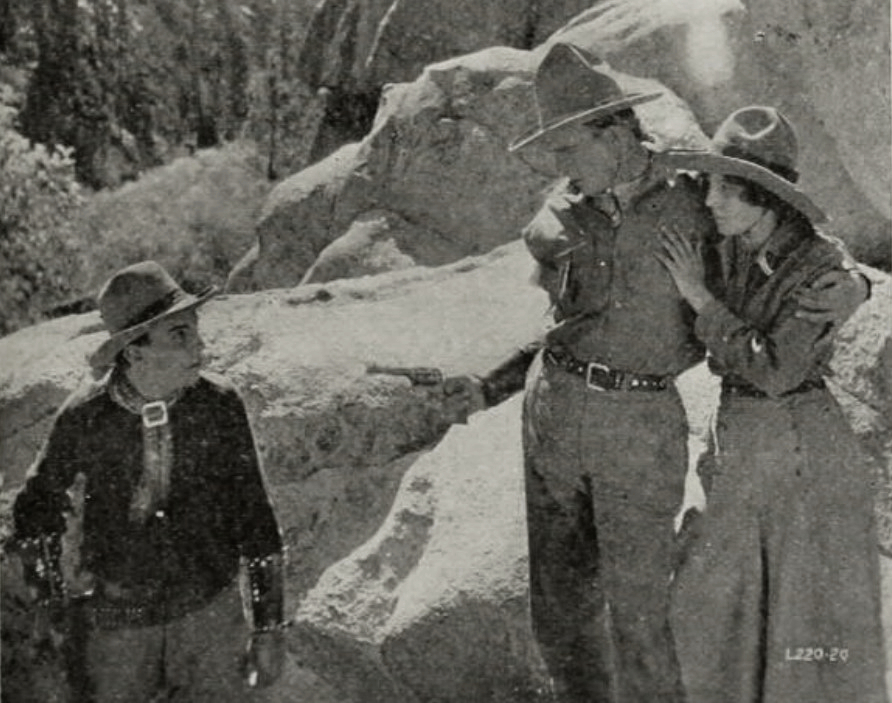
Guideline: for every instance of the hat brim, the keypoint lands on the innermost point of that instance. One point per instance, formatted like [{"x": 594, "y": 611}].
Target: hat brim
[
  {"x": 105, "y": 355},
  {"x": 586, "y": 115},
  {"x": 711, "y": 162}
]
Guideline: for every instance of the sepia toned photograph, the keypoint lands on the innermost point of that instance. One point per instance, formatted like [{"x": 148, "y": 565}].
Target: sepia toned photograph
[{"x": 438, "y": 351}]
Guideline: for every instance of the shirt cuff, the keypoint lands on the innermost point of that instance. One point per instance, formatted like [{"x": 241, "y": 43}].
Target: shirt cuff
[{"x": 715, "y": 323}]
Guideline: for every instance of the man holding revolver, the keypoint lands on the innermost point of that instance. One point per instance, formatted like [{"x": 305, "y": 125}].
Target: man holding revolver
[{"x": 604, "y": 430}]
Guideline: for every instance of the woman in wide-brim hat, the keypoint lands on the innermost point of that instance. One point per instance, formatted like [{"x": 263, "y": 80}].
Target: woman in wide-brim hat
[{"x": 778, "y": 599}]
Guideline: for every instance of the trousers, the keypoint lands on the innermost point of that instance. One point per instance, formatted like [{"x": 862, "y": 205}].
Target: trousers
[
  {"x": 604, "y": 478},
  {"x": 197, "y": 658},
  {"x": 778, "y": 600}
]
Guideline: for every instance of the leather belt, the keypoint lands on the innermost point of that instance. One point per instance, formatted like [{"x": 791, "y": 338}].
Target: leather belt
[
  {"x": 105, "y": 613},
  {"x": 107, "y": 616},
  {"x": 601, "y": 377},
  {"x": 745, "y": 390}
]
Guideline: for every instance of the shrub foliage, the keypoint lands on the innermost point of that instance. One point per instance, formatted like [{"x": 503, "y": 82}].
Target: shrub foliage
[{"x": 38, "y": 193}]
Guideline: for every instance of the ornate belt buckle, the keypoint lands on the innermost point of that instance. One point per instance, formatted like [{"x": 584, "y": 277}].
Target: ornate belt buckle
[
  {"x": 590, "y": 370},
  {"x": 154, "y": 414}
]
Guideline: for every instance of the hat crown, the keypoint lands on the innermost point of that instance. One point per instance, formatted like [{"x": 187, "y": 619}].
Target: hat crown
[
  {"x": 568, "y": 82},
  {"x": 136, "y": 294},
  {"x": 761, "y": 135}
]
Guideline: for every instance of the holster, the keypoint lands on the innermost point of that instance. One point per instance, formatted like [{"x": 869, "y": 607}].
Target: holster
[
  {"x": 42, "y": 566},
  {"x": 265, "y": 592}
]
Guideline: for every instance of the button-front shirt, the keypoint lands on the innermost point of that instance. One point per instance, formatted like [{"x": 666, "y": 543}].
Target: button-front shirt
[{"x": 614, "y": 302}]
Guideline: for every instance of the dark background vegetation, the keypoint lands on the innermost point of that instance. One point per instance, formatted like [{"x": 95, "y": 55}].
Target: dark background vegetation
[{"x": 93, "y": 93}]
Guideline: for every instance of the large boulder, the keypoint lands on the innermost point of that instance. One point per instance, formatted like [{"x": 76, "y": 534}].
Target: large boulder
[
  {"x": 335, "y": 441},
  {"x": 407, "y": 572},
  {"x": 296, "y": 222},
  {"x": 432, "y": 182},
  {"x": 862, "y": 381},
  {"x": 812, "y": 60},
  {"x": 436, "y": 601},
  {"x": 825, "y": 64}
]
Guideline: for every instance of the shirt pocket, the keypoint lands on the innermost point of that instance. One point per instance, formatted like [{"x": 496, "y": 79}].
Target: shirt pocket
[{"x": 584, "y": 281}]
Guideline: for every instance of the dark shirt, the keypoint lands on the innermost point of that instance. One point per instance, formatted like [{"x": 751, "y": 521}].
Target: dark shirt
[
  {"x": 753, "y": 335},
  {"x": 216, "y": 511},
  {"x": 614, "y": 302}
]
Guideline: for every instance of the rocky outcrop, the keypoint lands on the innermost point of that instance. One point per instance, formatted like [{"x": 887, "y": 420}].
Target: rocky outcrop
[
  {"x": 297, "y": 220},
  {"x": 862, "y": 381},
  {"x": 335, "y": 441},
  {"x": 432, "y": 182},
  {"x": 407, "y": 573},
  {"x": 436, "y": 601},
  {"x": 812, "y": 60}
]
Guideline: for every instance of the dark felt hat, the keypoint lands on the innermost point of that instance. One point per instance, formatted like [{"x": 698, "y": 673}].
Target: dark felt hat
[
  {"x": 569, "y": 88},
  {"x": 756, "y": 143},
  {"x": 133, "y": 300}
]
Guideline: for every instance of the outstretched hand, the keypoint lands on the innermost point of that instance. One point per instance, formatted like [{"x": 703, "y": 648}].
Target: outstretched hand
[
  {"x": 684, "y": 261},
  {"x": 463, "y": 397}
]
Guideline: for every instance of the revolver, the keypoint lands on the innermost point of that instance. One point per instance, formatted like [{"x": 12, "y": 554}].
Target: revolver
[{"x": 417, "y": 375}]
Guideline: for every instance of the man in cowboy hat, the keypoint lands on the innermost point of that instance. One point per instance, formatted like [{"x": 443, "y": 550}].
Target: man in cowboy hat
[
  {"x": 174, "y": 502},
  {"x": 604, "y": 429}
]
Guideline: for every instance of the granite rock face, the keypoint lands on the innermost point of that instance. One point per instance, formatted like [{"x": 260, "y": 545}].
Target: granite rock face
[
  {"x": 432, "y": 182},
  {"x": 407, "y": 576},
  {"x": 824, "y": 64}
]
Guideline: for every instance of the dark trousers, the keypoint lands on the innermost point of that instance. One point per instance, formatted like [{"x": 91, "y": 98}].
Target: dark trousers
[
  {"x": 197, "y": 658},
  {"x": 604, "y": 478}
]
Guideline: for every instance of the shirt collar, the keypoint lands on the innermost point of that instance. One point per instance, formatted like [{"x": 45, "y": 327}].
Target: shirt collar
[
  {"x": 614, "y": 201},
  {"x": 782, "y": 242}
]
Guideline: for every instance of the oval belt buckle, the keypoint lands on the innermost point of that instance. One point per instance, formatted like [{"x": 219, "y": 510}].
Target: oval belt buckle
[{"x": 154, "y": 414}]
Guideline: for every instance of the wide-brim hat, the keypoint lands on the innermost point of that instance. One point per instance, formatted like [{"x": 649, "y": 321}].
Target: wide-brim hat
[
  {"x": 570, "y": 89},
  {"x": 133, "y": 300},
  {"x": 756, "y": 143}
]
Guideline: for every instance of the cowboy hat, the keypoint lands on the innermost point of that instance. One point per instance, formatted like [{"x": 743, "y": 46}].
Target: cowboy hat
[
  {"x": 133, "y": 300},
  {"x": 570, "y": 89},
  {"x": 756, "y": 143}
]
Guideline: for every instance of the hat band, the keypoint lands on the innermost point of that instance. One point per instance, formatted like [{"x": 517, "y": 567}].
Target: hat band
[
  {"x": 785, "y": 172},
  {"x": 153, "y": 310}
]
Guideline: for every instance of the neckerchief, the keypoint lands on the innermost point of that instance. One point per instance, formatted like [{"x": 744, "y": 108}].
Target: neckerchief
[{"x": 157, "y": 440}]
